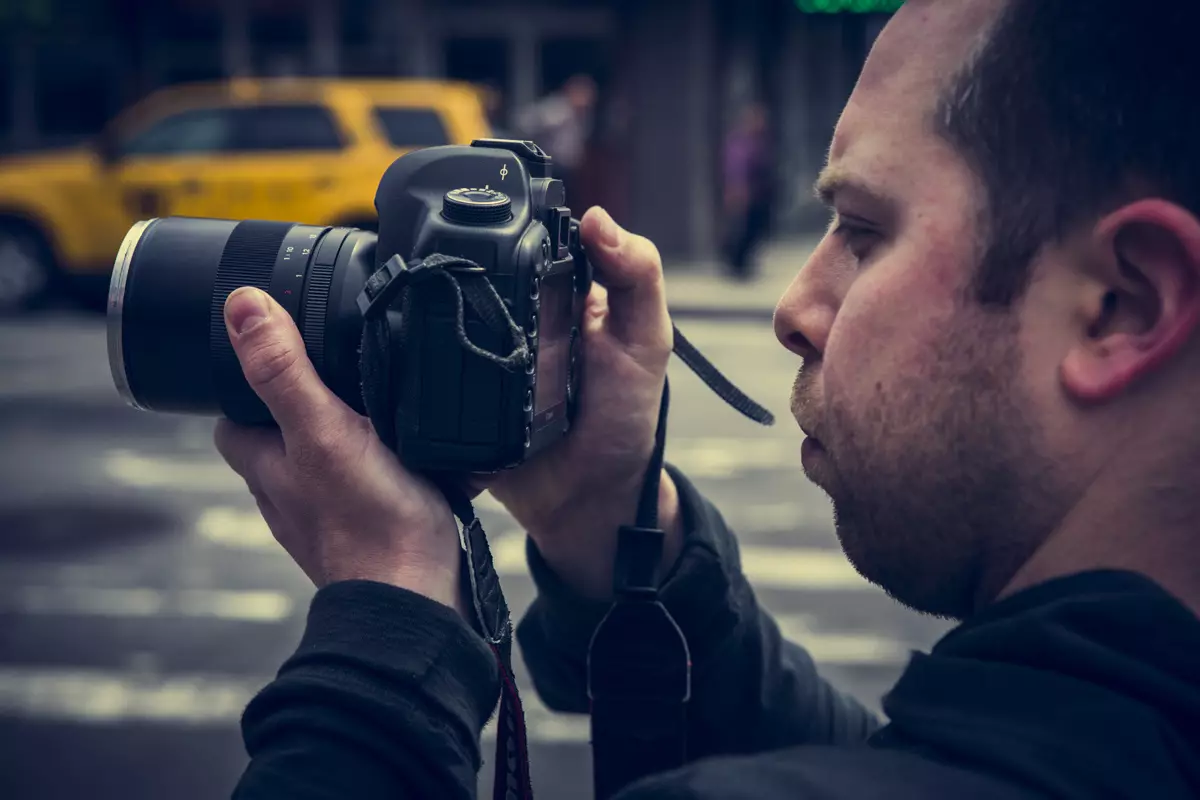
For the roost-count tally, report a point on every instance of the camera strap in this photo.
(391, 288)
(638, 665)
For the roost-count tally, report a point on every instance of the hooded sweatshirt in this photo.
(1087, 686)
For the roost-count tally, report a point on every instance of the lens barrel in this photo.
(168, 346)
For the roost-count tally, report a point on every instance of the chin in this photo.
(913, 579)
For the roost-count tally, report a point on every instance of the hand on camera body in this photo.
(332, 493)
(344, 507)
(572, 498)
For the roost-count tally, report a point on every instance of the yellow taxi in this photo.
(299, 150)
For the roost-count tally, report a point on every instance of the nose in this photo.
(805, 313)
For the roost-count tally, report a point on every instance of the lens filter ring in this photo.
(116, 310)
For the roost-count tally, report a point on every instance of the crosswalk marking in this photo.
(726, 457)
(545, 726)
(700, 457)
(114, 696)
(222, 604)
(95, 696)
(77, 695)
(141, 471)
(234, 527)
(857, 649)
(800, 568)
(767, 567)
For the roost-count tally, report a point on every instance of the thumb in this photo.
(271, 351)
(629, 267)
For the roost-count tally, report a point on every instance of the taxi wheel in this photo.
(26, 267)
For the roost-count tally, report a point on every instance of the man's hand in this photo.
(333, 495)
(572, 498)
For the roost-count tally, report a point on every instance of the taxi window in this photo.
(412, 127)
(198, 130)
(284, 127)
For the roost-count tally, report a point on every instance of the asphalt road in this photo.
(143, 601)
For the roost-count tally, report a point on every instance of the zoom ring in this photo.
(316, 303)
(248, 260)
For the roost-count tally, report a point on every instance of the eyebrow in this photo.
(834, 181)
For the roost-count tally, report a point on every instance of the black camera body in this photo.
(496, 204)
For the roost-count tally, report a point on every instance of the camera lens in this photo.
(167, 343)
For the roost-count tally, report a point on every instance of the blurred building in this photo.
(672, 74)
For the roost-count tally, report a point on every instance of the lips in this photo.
(807, 430)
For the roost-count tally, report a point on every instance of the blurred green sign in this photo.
(849, 6)
(26, 12)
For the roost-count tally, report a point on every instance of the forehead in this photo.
(885, 134)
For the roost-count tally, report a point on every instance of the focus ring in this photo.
(316, 296)
(316, 301)
(247, 260)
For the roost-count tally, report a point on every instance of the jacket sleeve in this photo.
(385, 697)
(751, 690)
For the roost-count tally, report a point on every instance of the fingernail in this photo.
(246, 309)
(610, 232)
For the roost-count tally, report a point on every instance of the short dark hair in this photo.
(1069, 109)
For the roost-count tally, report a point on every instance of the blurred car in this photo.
(299, 150)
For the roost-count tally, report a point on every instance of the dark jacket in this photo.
(1083, 687)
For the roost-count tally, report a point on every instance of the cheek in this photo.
(887, 329)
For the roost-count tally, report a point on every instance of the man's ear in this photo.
(1141, 299)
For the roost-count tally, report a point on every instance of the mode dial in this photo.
(477, 207)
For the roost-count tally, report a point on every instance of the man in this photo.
(1000, 337)
(561, 123)
(748, 189)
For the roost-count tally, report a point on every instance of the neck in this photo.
(1154, 531)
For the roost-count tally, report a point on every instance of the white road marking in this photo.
(543, 725)
(753, 336)
(196, 434)
(800, 568)
(724, 457)
(508, 553)
(796, 568)
(113, 696)
(190, 475)
(98, 696)
(827, 647)
(238, 528)
(222, 604)
(706, 457)
(27, 383)
(787, 568)
(780, 517)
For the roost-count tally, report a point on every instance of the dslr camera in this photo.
(470, 362)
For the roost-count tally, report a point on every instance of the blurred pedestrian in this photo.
(561, 124)
(749, 178)
(495, 107)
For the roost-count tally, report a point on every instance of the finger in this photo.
(275, 521)
(476, 483)
(273, 359)
(254, 453)
(630, 269)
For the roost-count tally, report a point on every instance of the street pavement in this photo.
(143, 601)
(699, 289)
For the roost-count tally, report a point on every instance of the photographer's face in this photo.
(920, 426)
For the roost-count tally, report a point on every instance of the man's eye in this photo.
(857, 239)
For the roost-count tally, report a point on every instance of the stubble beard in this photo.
(938, 485)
